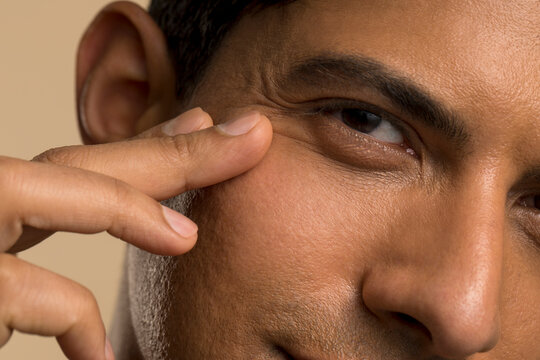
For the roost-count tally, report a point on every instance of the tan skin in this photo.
(415, 239)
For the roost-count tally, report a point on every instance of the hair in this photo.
(194, 29)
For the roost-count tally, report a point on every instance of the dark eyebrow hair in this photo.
(533, 175)
(351, 70)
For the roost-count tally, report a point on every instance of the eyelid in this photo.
(522, 202)
(528, 221)
(336, 104)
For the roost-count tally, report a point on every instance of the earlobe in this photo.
(125, 81)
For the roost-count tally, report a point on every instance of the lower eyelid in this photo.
(358, 149)
(319, 111)
(528, 223)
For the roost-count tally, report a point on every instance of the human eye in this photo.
(371, 122)
(531, 201)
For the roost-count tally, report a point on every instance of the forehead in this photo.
(480, 58)
(473, 42)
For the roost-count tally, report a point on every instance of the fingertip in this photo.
(205, 120)
(260, 137)
(240, 125)
(179, 223)
(265, 128)
(175, 245)
(187, 244)
(187, 122)
(190, 121)
(182, 226)
(253, 124)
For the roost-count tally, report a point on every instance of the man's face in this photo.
(394, 216)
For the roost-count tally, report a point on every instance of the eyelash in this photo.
(335, 105)
(534, 207)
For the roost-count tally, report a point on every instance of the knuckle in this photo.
(185, 148)
(87, 298)
(48, 156)
(8, 274)
(121, 191)
(83, 305)
(60, 156)
(182, 157)
(180, 153)
(87, 304)
(123, 194)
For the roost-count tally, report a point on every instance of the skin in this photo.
(335, 244)
(332, 248)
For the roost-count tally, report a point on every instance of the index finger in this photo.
(166, 166)
(190, 121)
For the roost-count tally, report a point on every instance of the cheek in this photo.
(520, 313)
(296, 217)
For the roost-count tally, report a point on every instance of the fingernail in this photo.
(241, 125)
(109, 354)
(185, 123)
(181, 224)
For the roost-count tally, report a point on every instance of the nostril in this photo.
(411, 322)
(406, 318)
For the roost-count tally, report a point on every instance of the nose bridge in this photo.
(449, 268)
(471, 235)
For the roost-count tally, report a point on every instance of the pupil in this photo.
(536, 201)
(361, 120)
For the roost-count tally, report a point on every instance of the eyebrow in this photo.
(533, 175)
(351, 70)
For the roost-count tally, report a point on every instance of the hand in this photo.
(115, 188)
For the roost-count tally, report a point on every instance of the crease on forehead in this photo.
(499, 74)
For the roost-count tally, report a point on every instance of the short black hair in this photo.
(194, 29)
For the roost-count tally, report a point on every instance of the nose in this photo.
(440, 274)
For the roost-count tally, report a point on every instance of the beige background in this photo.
(38, 42)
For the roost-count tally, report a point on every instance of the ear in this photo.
(125, 81)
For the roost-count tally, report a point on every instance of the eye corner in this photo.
(530, 201)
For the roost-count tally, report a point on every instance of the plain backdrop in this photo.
(38, 42)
